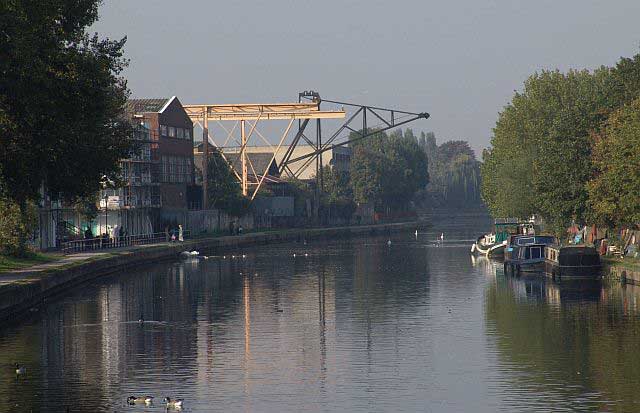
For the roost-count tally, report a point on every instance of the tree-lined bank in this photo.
(566, 147)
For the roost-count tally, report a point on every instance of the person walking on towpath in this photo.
(88, 235)
(180, 234)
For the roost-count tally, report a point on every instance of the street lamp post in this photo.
(106, 217)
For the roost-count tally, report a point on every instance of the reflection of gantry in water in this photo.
(235, 119)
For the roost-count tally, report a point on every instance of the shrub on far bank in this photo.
(14, 228)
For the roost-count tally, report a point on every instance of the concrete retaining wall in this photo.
(18, 297)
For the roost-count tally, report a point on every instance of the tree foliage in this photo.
(223, 189)
(542, 157)
(614, 193)
(454, 172)
(61, 101)
(539, 160)
(388, 170)
(16, 226)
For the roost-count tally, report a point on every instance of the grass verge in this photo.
(626, 262)
(8, 263)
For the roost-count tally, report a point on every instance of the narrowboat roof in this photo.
(533, 239)
(574, 249)
(507, 221)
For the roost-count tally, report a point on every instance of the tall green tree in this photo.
(581, 101)
(539, 161)
(614, 192)
(61, 101)
(223, 189)
(367, 169)
(388, 170)
(338, 193)
(454, 174)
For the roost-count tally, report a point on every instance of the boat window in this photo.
(525, 240)
(527, 253)
(536, 252)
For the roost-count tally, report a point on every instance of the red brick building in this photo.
(172, 147)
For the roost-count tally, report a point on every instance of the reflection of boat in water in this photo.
(577, 262)
(542, 289)
(489, 267)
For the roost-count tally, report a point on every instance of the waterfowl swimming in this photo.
(173, 403)
(141, 319)
(20, 369)
(139, 400)
(389, 242)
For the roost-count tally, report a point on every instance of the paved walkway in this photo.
(39, 269)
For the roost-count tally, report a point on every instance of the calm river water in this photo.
(347, 325)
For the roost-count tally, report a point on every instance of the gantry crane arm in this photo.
(389, 118)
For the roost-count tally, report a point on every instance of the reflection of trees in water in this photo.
(570, 340)
(386, 277)
(22, 347)
(88, 343)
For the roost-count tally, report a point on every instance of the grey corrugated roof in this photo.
(146, 105)
(258, 160)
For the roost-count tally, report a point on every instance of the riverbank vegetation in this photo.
(10, 263)
(454, 174)
(386, 172)
(566, 148)
(61, 103)
(396, 171)
(223, 190)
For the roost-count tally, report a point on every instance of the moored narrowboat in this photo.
(526, 258)
(494, 243)
(519, 240)
(572, 262)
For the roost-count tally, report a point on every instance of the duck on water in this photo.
(140, 399)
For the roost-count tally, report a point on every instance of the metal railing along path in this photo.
(105, 242)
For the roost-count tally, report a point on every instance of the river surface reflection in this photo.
(355, 325)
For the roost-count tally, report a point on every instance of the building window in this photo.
(180, 133)
(176, 169)
(172, 132)
(163, 130)
(187, 134)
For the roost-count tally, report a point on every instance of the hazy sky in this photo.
(458, 60)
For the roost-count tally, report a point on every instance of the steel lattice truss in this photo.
(235, 119)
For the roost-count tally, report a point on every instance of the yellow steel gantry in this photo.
(253, 113)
